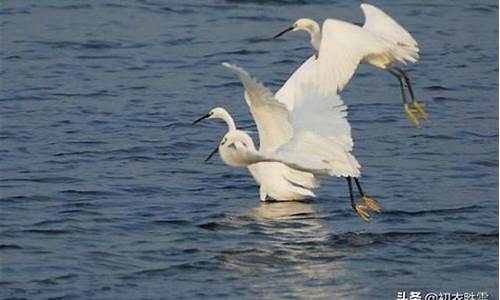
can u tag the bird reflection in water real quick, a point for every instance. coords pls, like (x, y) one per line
(286, 246)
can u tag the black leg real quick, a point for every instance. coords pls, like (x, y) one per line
(349, 183)
(407, 81)
(402, 83)
(416, 106)
(359, 187)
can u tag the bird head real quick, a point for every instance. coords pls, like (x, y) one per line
(233, 140)
(214, 113)
(301, 24)
(238, 137)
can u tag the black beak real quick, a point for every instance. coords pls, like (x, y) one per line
(212, 153)
(202, 118)
(284, 31)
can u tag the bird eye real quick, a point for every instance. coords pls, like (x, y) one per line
(223, 141)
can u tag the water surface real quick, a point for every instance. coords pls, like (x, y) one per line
(104, 193)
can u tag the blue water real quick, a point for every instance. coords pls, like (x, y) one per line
(105, 195)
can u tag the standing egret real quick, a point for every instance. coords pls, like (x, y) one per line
(307, 144)
(276, 180)
(381, 42)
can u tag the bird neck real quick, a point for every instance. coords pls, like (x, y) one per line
(229, 121)
(316, 40)
(315, 33)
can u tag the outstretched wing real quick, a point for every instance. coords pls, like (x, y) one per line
(270, 115)
(344, 46)
(322, 141)
(288, 92)
(381, 24)
(381, 42)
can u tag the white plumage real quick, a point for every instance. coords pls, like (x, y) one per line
(303, 130)
(381, 24)
(340, 48)
(310, 144)
(344, 46)
(276, 180)
(270, 116)
(312, 137)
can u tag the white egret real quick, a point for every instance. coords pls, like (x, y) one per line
(276, 180)
(313, 137)
(340, 47)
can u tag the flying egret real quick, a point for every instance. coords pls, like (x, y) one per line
(302, 136)
(381, 42)
(276, 180)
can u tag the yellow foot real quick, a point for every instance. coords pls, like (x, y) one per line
(419, 107)
(361, 211)
(410, 113)
(372, 204)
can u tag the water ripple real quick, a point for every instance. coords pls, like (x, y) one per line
(103, 183)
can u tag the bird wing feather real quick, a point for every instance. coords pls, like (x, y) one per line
(381, 41)
(344, 46)
(322, 135)
(271, 116)
(321, 141)
(287, 93)
(313, 137)
(380, 23)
